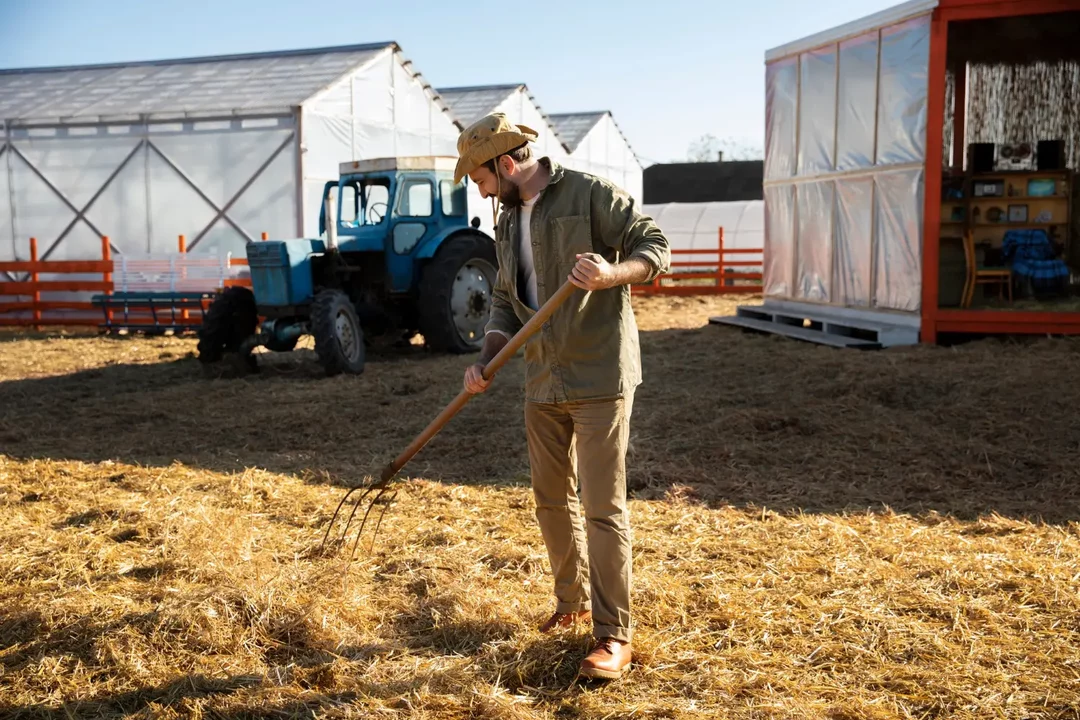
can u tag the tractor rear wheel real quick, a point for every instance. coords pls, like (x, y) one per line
(339, 341)
(229, 321)
(455, 294)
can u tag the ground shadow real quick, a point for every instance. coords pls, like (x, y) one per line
(135, 701)
(549, 662)
(27, 638)
(722, 417)
(12, 335)
(431, 626)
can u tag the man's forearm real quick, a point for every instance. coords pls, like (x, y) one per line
(493, 343)
(632, 270)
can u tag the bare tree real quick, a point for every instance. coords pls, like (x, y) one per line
(709, 148)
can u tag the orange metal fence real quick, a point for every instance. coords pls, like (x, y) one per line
(28, 309)
(724, 279)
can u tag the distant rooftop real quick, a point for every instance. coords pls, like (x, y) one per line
(573, 127)
(201, 86)
(469, 104)
(696, 182)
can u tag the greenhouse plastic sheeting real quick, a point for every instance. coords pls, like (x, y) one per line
(899, 207)
(604, 152)
(145, 182)
(851, 246)
(905, 58)
(817, 108)
(845, 126)
(814, 240)
(858, 93)
(585, 134)
(7, 239)
(781, 104)
(382, 111)
(779, 239)
(521, 109)
(227, 161)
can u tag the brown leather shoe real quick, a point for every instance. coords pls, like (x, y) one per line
(607, 660)
(565, 620)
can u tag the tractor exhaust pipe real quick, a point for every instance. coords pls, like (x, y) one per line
(331, 223)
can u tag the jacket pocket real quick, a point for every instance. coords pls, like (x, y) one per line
(570, 235)
(506, 257)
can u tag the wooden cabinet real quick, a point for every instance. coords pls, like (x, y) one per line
(990, 204)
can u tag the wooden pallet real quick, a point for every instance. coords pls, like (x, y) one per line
(824, 326)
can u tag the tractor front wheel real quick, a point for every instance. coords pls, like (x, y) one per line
(455, 294)
(229, 321)
(339, 341)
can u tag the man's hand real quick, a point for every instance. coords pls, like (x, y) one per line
(474, 379)
(494, 342)
(593, 272)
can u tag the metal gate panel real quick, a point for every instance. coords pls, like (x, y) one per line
(143, 185)
(37, 209)
(269, 205)
(176, 208)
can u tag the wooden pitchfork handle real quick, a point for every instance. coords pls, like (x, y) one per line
(508, 351)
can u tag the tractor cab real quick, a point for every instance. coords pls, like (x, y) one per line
(401, 207)
(398, 254)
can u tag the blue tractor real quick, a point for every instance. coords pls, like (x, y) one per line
(399, 257)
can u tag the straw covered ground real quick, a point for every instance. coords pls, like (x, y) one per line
(817, 534)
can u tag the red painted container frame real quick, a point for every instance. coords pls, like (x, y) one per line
(936, 320)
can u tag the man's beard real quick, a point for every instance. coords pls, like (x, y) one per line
(509, 193)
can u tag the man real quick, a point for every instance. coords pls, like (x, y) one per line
(582, 367)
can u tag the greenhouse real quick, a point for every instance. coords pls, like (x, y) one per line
(598, 146)
(698, 226)
(218, 149)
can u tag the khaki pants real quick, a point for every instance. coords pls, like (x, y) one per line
(584, 443)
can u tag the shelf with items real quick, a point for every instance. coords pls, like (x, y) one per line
(1007, 200)
(1018, 198)
(980, 210)
(1000, 202)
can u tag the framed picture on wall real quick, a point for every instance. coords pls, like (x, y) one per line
(1041, 187)
(990, 188)
(1018, 213)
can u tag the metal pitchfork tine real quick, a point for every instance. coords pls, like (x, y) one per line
(380, 488)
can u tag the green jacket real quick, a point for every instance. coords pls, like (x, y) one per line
(588, 349)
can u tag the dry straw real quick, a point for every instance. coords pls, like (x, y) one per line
(817, 534)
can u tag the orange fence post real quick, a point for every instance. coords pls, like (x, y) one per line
(32, 288)
(720, 275)
(106, 276)
(723, 278)
(36, 295)
(181, 245)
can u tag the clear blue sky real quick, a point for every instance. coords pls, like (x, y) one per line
(670, 70)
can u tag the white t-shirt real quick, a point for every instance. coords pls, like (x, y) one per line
(525, 256)
(525, 253)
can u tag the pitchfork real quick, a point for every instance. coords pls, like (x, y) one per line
(377, 491)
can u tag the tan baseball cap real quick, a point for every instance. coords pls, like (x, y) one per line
(486, 139)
